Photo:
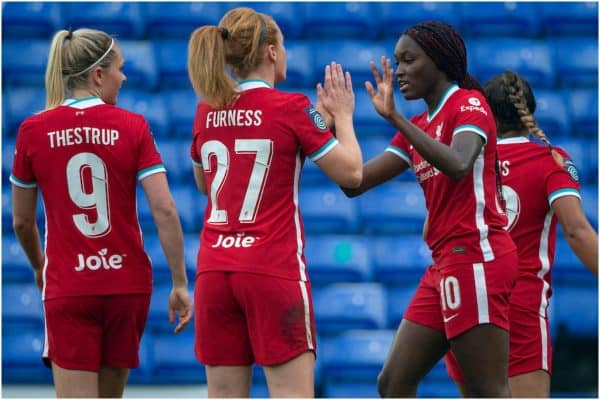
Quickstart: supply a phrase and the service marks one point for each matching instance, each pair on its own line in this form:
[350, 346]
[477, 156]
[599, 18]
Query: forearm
[171, 240]
[29, 238]
[584, 243]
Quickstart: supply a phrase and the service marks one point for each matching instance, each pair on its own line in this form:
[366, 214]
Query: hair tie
[69, 34]
[263, 30]
[224, 33]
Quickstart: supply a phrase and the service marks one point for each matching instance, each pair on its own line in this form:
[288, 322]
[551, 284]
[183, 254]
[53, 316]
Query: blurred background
[365, 256]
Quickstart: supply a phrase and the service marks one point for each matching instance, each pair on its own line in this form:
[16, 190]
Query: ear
[272, 52]
[97, 76]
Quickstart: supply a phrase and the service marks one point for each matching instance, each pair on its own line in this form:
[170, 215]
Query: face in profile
[113, 78]
[416, 72]
[280, 61]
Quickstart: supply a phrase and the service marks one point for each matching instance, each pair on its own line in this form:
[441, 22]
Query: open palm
[383, 98]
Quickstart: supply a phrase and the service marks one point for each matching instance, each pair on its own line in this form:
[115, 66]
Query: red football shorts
[530, 342]
[87, 332]
[242, 318]
[458, 297]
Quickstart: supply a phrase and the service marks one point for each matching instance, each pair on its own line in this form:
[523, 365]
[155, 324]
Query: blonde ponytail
[55, 85]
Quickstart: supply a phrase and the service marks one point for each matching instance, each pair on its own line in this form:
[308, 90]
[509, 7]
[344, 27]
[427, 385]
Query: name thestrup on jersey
[236, 117]
[83, 134]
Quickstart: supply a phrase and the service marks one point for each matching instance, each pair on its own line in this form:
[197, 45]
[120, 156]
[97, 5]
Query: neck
[83, 93]
[513, 133]
[435, 95]
[263, 73]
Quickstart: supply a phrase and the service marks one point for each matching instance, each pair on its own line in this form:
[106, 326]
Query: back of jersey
[252, 155]
[85, 157]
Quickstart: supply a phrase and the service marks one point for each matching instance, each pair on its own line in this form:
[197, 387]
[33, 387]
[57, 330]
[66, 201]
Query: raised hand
[383, 98]
[337, 96]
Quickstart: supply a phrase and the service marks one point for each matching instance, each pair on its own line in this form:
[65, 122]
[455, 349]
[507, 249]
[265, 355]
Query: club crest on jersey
[567, 164]
[316, 118]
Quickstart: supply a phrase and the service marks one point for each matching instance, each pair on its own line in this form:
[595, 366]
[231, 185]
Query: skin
[482, 350]
[109, 381]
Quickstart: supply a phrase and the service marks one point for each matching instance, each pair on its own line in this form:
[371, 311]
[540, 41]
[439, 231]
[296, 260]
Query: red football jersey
[465, 220]
[252, 155]
[531, 180]
[86, 158]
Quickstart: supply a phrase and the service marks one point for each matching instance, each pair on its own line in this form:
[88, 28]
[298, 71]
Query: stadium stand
[24, 61]
[340, 20]
[576, 62]
[31, 19]
[518, 19]
[327, 209]
[578, 19]
[122, 19]
[395, 17]
[582, 106]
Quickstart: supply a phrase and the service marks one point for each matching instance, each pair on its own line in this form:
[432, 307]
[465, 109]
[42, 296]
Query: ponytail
[55, 85]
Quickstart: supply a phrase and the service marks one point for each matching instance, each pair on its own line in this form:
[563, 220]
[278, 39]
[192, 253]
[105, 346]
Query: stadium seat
[181, 106]
[21, 306]
[312, 175]
[31, 19]
[151, 106]
[349, 390]
[533, 59]
[190, 206]
[24, 62]
[174, 359]
[20, 103]
[578, 19]
[160, 269]
[396, 17]
[289, 16]
[341, 20]
[325, 209]
[367, 123]
[125, 20]
[175, 155]
[343, 306]
[356, 356]
[15, 264]
[582, 105]
[577, 308]
[589, 193]
[140, 64]
[551, 113]
[567, 267]
[337, 258]
[180, 19]
[398, 299]
[22, 358]
[143, 374]
[6, 210]
[496, 19]
[171, 59]
[399, 259]
[576, 61]
[301, 69]
[395, 207]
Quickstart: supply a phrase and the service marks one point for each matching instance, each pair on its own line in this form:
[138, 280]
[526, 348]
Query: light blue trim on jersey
[470, 128]
[400, 153]
[252, 84]
[449, 92]
[326, 148]
[557, 194]
[20, 183]
[197, 163]
[150, 171]
[82, 103]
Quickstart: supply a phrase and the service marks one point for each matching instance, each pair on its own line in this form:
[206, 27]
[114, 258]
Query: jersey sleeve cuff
[197, 163]
[326, 148]
[21, 183]
[150, 171]
[400, 153]
[471, 128]
[562, 193]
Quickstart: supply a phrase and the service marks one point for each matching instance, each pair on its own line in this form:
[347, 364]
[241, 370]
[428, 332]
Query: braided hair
[446, 48]
[512, 102]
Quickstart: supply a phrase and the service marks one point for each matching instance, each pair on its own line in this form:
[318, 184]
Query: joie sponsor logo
[238, 240]
[101, 260]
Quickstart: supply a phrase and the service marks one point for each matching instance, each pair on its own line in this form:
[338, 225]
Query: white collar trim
[83, 103]
[513, 140]
[252, 84]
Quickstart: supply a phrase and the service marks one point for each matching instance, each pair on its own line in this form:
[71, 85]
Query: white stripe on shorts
[309, 339]
[481, 292]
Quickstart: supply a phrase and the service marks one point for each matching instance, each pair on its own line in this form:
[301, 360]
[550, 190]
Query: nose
[399, 71]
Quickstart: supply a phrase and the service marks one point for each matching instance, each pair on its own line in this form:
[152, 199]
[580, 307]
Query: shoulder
[470, 100]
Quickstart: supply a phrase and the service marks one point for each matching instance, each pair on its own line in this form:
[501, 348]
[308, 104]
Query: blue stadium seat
[500, 19]
[140, 64]
[6, 210]
[530, 58]
[124, 20]
[190, 206]
[20, 103]
[312, 175]
[567, 267]
[576, 61]
[337, 258]
[300, 65]
[160, 269]
[8, 155]
[578, 19]
[349, 390]
[582, 105]
[341, 20]
[577, 308]
[180, 19]
[171, 59]
[31, 19]
[176, 158]
[395, 207]
[151, 106]
[24, 62]
[191, 244]
[551, 113]
[289, 16]
[398, 259]
[343, 306]
[22, 306]
[589, 193]
[396, 17]
[15, 264]
[181, 106]
[22, 358]
[143, 374]
[325, 209]
[367, 123]
[356, 356]
[174, 359]
[398, 298]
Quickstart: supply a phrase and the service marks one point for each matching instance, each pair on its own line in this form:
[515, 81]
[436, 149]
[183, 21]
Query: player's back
[85, 158]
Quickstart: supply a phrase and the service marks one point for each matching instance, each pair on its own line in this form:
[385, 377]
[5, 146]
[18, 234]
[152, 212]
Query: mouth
[403, 85]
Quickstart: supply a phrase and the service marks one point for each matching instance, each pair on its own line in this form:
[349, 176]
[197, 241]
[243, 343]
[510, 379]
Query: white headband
[112, 42]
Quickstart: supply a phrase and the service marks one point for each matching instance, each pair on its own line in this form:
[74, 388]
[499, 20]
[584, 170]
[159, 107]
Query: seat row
[162, 63]
[298, 20]
[561, 113]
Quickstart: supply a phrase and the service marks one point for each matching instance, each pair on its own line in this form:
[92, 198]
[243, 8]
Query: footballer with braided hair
[541, 187]
[462, 300]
